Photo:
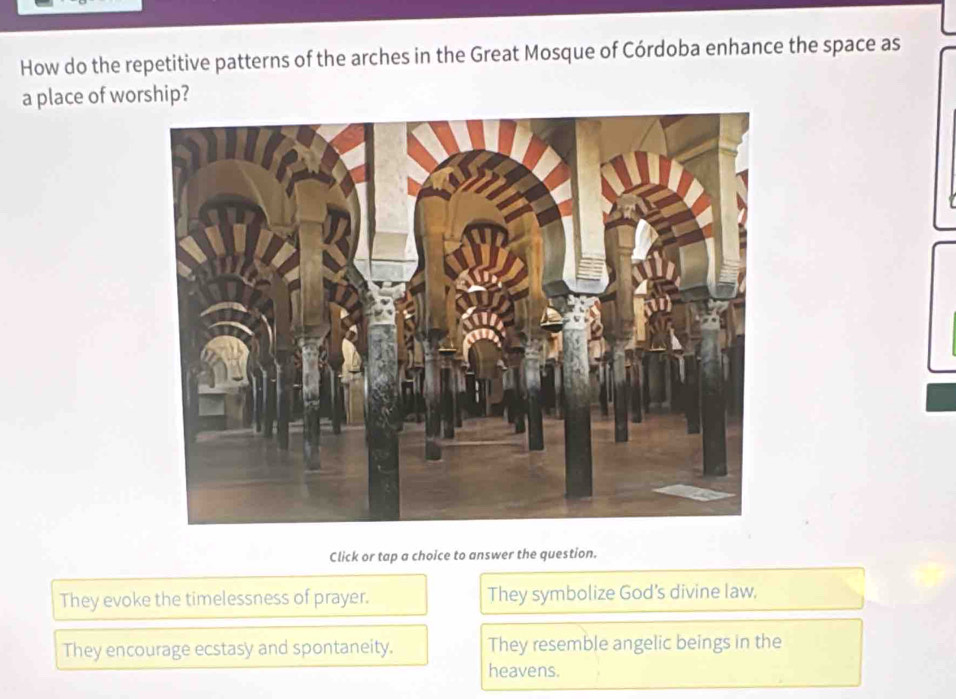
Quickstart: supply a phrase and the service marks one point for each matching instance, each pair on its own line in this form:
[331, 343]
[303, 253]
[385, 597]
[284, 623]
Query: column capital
[378, 302]
[574, 310]
[310, 340]
[621, 227]
[534, 350]
[709, 311]
[430, 347]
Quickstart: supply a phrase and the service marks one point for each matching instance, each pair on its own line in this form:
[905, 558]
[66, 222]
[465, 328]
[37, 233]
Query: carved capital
[709, 312]
[534, 350]
[430, 347]
[378, 302]
[574, 310]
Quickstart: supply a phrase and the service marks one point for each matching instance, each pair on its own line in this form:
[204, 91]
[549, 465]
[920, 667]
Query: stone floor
[485, 473]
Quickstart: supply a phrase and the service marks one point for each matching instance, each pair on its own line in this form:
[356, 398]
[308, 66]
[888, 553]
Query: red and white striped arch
[333, 154]
[483, 248]
[346, 297]
[495, 301]
[224, 314]
[595, 322]
[658, 269]
[230, 329]
[666, 192]
[506, 162]
[483, 260]
[199, 250]
[659, 304]
[229, 289]
[335, 255]
[478, 335]
[483, 319]
[479, 277]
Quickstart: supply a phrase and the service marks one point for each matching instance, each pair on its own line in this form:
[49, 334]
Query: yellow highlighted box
[237, 647]
[672, 591]
[234, 598]
[664, 655]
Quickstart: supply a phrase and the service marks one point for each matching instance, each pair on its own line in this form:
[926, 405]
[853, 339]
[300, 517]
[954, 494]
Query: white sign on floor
[693, 493]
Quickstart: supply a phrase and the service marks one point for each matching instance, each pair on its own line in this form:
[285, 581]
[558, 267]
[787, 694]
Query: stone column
[677, 383]
[470, 389]
[257, 399]
[619, 364]
[637, 390]
[692, 393]
[713, 418]
[559, 388]
[338, 409]
[619, 239]
[577, 395]
[668, 383]
[547, 389]
[507, 380]
[311, 399]
[417, 390]
[247, 405]
[602, 386]
[311, 321]
[532, 377]
[481, 398]
[283, 397]
[408, 389]
[457, 383]
[654, 384]
[325, 390]
[520, 400]
[269, 379]
[432, 390]
[447, 398]
[382, 401]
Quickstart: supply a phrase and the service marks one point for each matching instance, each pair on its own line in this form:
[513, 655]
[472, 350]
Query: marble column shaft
[458, 394]
[577, 396]
[692, 393]
[637, 390]
[713, 416]
[520, 400]
[508, 396]
[602, 387]
[447, 402]
[269, 379]
[432, 389]
[258, 401]
[532, 377]
[283, 397]
[382, 409]
[311, 399]
[336, 402]
[619, 366]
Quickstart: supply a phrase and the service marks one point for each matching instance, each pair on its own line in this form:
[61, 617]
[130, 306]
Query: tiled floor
[486, 472]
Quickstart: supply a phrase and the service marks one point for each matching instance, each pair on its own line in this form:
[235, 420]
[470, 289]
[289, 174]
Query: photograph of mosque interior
[486, 319]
